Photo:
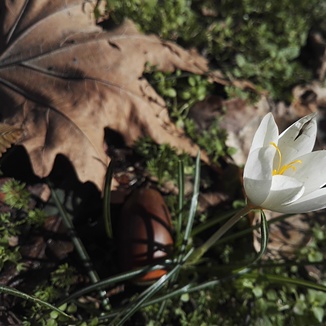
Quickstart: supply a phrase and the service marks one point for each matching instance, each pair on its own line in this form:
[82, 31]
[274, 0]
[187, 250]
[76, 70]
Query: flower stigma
[281, 169]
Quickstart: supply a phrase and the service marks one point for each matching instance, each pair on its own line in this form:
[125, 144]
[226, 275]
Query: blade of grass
[242, 272]
[211, 222]
[83, 255]
[284, 280]
[181, 183]
[148, 293]
[192, 213]
[178, 228]
[12, 291]
[189, 288]
[250, 229]
[192, 287]
[194, 201]
[107, 201]
[192, 210]
[199, 252]
[263, 245]
[124, 315]
[110, 281]
[78, 244]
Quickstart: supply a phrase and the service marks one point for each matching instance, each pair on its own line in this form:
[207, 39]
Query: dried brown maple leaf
[63, 79]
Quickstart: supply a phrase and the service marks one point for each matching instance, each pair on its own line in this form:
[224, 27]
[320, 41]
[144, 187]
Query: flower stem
[199, 252]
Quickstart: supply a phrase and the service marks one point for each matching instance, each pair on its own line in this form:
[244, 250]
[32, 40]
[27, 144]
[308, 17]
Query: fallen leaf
[8, 136]
[64, 79]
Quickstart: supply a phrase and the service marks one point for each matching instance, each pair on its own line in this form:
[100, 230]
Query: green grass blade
[189, 288]
[249, 230]
[129, 311]
[211, 241]
[107, 201]
[193, 208]
[284, 280]
[27, 297]
[181, 183]
[178, 242]
[79, 246]
[213, 221]
[105, 283]
[147, 294]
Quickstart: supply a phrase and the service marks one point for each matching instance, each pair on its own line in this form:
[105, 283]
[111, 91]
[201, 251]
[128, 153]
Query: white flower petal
[257, 190]
[284, 191]
[266, 133]
[298, 139]
[260, 163]
[257, 174]
[312, 202]
[311, 171]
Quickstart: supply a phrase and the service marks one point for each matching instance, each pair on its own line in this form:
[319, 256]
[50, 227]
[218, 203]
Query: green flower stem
[199, 252]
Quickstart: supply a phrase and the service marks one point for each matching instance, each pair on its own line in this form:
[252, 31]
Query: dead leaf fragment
[9, 135]
[64, 80]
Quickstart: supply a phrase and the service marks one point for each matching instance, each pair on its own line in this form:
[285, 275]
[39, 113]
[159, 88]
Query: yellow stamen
[279, 157]
[281, 169]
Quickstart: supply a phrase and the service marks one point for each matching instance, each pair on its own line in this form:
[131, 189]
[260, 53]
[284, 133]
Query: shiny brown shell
[144, 232]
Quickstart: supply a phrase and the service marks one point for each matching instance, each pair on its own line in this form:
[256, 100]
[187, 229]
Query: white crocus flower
[282, 173]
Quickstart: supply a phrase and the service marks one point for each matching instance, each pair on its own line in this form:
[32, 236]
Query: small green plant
[251, 39]
[59, 282]
[18, 217]
[9, 254]
[212, 140]
[14, 220]
[166, 18]
[180, 91]
[162, 160]
[16, 195]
